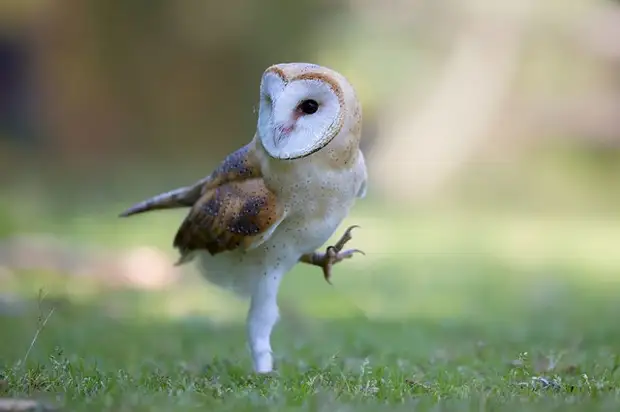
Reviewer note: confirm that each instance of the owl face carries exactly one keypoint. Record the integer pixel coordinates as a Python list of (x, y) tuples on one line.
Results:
[(302, 108)]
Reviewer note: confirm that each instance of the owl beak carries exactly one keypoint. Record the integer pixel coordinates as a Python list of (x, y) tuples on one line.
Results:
[(282, 131)]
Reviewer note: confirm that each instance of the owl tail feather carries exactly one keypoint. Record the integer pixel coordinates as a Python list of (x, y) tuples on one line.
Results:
[(182, 197)]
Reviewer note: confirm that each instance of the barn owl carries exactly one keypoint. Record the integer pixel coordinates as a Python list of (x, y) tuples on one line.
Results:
[(275, 201)]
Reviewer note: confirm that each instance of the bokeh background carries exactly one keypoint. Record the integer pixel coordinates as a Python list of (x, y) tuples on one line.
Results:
[(491, 132)]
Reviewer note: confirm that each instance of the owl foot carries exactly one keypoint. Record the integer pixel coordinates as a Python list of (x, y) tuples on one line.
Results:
[(333, 254)]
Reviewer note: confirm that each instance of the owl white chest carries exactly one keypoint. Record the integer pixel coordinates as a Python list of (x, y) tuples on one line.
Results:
[(315, 208)]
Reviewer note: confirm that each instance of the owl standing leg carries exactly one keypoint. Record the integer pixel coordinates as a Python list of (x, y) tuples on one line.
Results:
[(332, 255), (262, 317)]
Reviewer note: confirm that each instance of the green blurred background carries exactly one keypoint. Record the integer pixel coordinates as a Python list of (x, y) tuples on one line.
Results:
[(491, 132)]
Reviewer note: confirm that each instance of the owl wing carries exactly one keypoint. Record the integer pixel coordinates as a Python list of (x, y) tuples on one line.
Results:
[(236, 215), (232, 208)]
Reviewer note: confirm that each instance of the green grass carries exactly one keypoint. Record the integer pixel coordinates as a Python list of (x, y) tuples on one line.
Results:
[(444, 313)]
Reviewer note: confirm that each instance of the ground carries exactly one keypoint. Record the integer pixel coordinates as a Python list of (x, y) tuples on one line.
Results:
[(520, 316)]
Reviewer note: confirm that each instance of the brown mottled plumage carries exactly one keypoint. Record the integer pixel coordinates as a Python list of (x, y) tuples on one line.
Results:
[(275, 201), (227, 217)]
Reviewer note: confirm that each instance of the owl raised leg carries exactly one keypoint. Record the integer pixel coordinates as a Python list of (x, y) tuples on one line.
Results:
[(332, 255), (262, 317)]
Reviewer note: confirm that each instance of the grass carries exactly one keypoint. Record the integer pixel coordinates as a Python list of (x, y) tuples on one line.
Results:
[(442, 314)]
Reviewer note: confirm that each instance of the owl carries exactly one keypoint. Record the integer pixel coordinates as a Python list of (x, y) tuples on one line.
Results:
[(274, 202)]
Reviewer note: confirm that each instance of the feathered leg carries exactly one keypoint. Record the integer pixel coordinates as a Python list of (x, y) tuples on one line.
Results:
[(262, 317)]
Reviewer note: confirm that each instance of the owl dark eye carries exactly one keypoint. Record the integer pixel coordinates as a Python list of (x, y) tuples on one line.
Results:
[(308, 106)]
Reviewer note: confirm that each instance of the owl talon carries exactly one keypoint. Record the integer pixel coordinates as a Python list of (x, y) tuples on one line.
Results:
[(334, 254), (346, 236), (332, 257)]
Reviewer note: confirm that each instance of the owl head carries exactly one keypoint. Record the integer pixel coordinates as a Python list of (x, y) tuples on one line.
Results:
[(303, 107)]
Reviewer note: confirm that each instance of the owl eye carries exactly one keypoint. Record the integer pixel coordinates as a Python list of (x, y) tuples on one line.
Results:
[(308, 106)]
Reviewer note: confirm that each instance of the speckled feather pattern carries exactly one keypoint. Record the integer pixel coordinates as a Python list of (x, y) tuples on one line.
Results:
[(228, 217)]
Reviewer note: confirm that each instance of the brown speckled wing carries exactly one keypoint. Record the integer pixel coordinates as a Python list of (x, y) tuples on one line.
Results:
[(233, 215)]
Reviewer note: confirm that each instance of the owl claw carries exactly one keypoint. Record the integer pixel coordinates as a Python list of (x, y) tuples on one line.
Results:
[(335, 254), (332, 257), (346, 236)]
